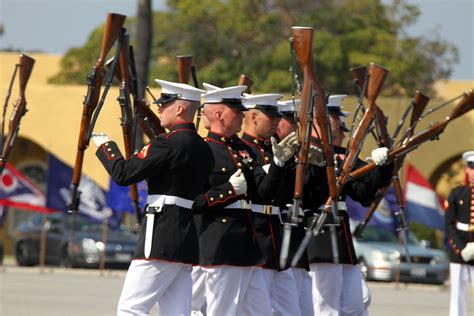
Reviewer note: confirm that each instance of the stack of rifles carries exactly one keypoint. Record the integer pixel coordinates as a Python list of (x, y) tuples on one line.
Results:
[(368, 119)]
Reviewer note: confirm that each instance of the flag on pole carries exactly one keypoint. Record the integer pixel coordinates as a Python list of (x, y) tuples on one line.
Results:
[(118, 197), (19, 192), (92, 199), (384, 217), (422, 203)]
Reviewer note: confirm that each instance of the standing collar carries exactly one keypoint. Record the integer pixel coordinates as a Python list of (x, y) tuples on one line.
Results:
[(256, 141), (220, 138), (187, 125)]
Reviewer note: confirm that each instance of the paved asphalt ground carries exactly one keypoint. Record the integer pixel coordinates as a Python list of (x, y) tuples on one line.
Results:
[(78, 292)]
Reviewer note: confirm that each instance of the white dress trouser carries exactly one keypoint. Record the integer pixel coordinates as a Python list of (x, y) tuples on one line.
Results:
[(236, 291), (337, 289), (282, 291), (166, 284), (198, 305), (303, 286), (459, 275)]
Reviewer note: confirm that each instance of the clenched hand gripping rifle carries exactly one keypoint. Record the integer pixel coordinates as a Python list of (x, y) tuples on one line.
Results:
[(19, 108)]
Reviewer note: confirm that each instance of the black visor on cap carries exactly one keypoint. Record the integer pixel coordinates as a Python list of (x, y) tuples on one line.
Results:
[(234, 103), (268, 109), (167, 97), (287, 114), (335, 110)]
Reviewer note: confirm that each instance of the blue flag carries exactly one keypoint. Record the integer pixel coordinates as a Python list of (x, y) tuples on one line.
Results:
[(384, 217), (118, 197), (92, 199)]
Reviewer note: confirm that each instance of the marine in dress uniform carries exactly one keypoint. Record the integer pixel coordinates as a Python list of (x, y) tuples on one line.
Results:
[(287, 125), (261, 122), (459, 220), (337, 287), (176, 165), (229, 251)]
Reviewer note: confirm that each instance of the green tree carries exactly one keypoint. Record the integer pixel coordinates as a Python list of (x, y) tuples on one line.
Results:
[(231, 37)]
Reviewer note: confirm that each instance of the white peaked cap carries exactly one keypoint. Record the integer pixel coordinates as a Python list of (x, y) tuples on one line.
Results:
[(336, 100), (209, 87), (335, 104), (289, 106), (219, 94), (184, 91), (251, 101), (468, 156)]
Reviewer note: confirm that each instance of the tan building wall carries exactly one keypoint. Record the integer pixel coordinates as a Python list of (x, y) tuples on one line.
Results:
[(54, 113)]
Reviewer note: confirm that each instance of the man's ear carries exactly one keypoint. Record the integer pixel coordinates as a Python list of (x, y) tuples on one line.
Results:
[(253, 117), (179, 109)]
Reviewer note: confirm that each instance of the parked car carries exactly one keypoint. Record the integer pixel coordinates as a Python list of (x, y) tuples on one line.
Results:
[(382, 258), (83, 251)]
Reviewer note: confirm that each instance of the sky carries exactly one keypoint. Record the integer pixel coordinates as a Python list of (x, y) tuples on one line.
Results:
[(54, 26)]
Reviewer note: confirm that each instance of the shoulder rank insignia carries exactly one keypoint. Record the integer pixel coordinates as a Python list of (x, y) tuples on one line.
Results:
[(144, 152)]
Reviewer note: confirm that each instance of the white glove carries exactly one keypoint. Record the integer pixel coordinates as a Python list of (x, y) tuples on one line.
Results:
[(238, 182), (380, 155), (468, 252), (315, 156), (285, 149), (100, 138)]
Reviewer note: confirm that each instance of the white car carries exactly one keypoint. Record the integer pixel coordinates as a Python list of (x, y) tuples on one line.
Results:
[(383, 258)]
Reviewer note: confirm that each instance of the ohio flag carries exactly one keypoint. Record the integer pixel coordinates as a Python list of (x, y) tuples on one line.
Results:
[(17, 191), (422, 202)]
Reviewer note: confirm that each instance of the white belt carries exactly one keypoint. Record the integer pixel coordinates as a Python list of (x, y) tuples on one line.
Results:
[(155, 205), (265, 209), (340, 206), (242, 204), (158, 200), (464, 227)]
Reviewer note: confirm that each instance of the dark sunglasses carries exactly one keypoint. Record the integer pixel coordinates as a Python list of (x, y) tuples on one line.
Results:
[(470, 164)]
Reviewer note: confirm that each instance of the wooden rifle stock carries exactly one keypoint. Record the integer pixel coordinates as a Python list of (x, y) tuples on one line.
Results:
[(113, 27), (419, 105), (26, 67), (377, 75), (376, 79), (149, 121), (464, 106), (185, 63), (246, 81), (303, 46)]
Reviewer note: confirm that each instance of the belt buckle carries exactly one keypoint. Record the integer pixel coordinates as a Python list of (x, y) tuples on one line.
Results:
[(244, 204), (153, 209), (267, 209)]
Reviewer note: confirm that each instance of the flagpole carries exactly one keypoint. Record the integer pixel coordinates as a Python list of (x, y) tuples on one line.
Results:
[(45, 224), (105, 232)]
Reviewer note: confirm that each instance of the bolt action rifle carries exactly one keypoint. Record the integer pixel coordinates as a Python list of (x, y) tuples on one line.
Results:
[(187, 69), (19, 109), (312, 99), (377, 75), (246, 81), (465, 105), (149, 121), (113, 28), (418, 105), (127, 117)]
